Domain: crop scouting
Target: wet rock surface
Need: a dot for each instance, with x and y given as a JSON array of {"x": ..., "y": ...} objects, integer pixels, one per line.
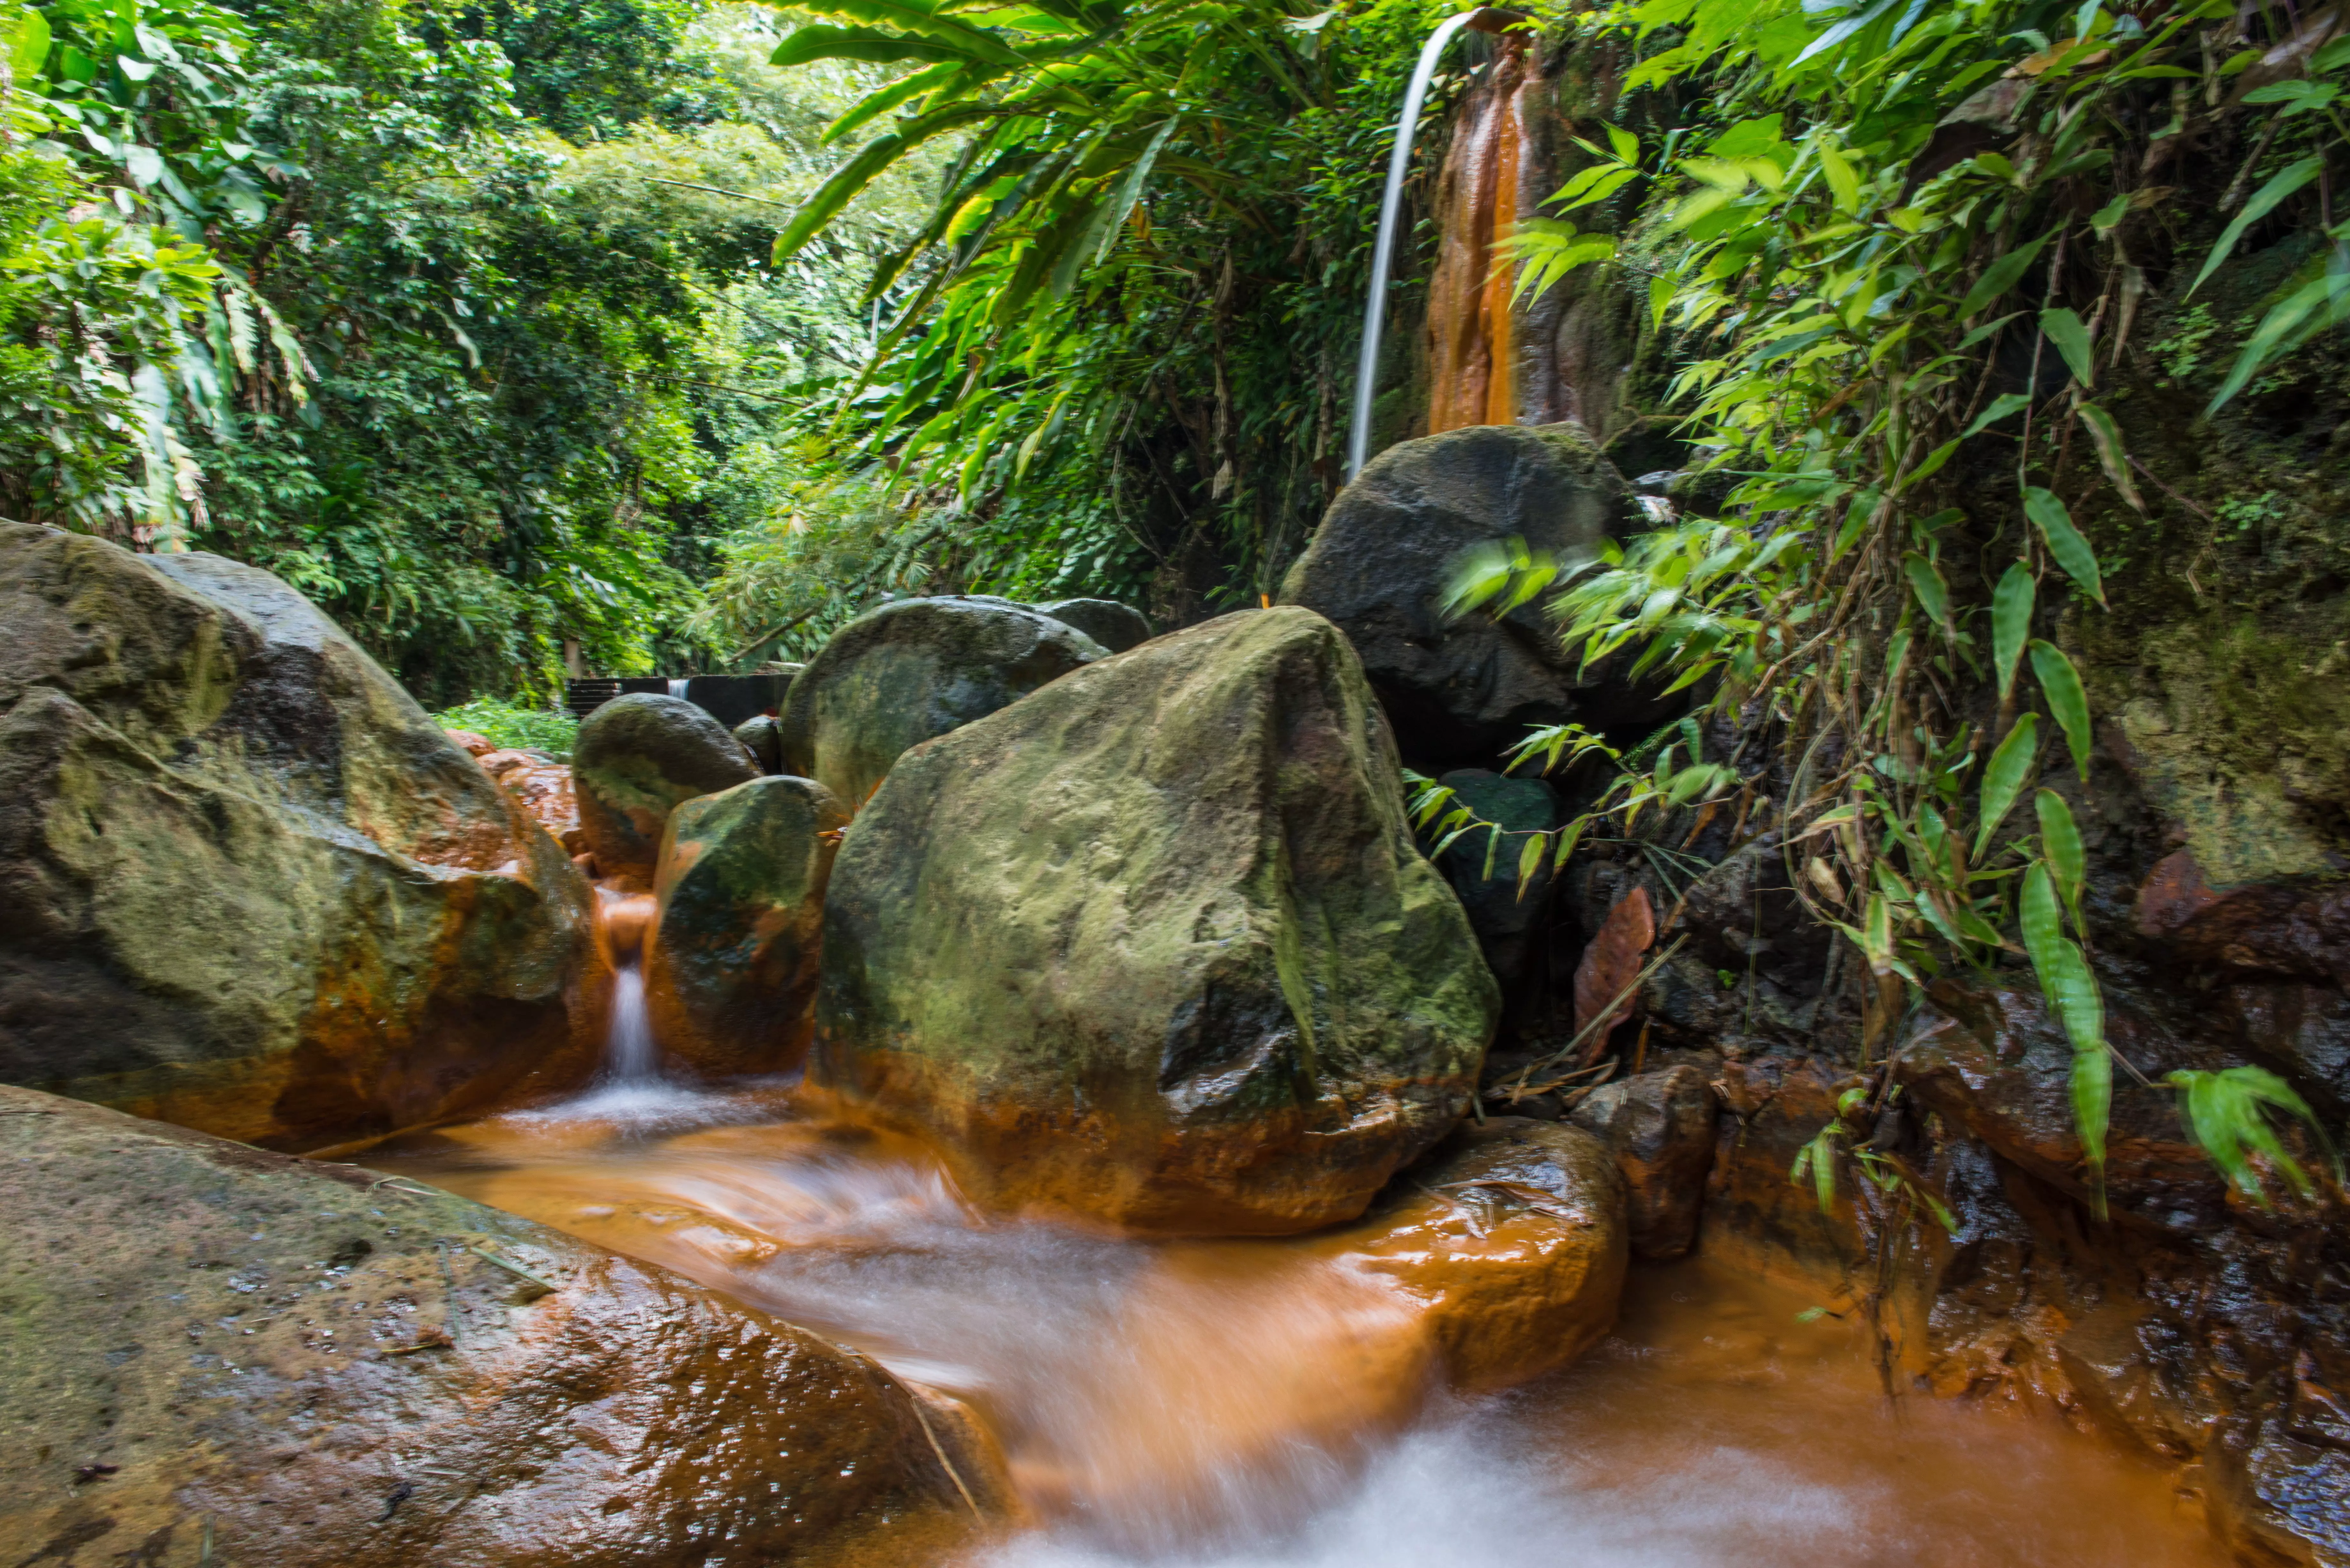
[
  {"x": 731, "y": 968},
  {"x": 310, "y": 1364},
  {"x": 912, "y": 670},
  {"x": 248, "y": 885},
  {"x": 1509, "y": 1239},
  {"x": 1659, "y": 1128},
  {"x": 637, "y": 759},
  {"x": 1155, "y": 943},
  {"x": 1380, "y": 564}
]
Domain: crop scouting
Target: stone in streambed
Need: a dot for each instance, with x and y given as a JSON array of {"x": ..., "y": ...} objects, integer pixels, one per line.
[
  {"x": 1115, "y": 626},
  {"x": 731, "y": 973},
  {"x": 1659, "y": 1127},
  {"x": 757, "y": 736},
  {"x": 1155, "y": 943},
  {"x": 1509, "y": 1242},
  {"x": 1380, "y": 564},
  {"x": 912, "y": 670},
  {"x": 637, "y": 759},
  {"x": 247, "y": 884},
  {"x": 309, "y": 1368}
]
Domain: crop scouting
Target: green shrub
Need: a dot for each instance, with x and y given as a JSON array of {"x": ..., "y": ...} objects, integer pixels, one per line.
[{"x": 536, "y": 729}]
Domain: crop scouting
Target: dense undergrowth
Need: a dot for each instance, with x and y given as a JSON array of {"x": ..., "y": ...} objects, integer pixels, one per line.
[{"x": 1904, "y": 256}]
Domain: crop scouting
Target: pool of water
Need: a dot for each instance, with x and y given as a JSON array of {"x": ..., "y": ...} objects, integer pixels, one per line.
[{"x": 1230, "y": 1405}]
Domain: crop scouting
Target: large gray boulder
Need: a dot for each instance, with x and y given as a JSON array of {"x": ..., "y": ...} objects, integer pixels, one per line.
[
  {"x": 246, "y": 883},
  {"x": 901, "y": 674},
  {"x": 638, "y": 758},
  {"x": 1155, "y": 943},
  {"x": 217, "y": 1354},
  {"x": 1379, "y": 566}
]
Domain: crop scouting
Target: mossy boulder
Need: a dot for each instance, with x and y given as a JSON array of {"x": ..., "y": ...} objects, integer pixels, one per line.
[
  {"x": 1115, "y": 626},
  {"x": 757, "y": 736},
  {"x": 912, "y": 670},
  {"x": 638, "y": 758},
  {"x": 246, "y": 883},
  {"x": 215, "y": 1354},
  {"x": 731, "y": 971},
  {"x": 1380, "y": 564},
  {"x": 1155, "y": 944}
]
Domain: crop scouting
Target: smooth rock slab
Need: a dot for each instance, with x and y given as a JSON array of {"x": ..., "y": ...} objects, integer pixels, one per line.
[
  {"x": 246, "y": 883},
  {"x": 912, "y": 670},
  {"x": 731, "y": 970},
  {"x": 1155, "y": 943},
  {"x": 637, "y": 759},
  {"x": 313, "y": 1366}
]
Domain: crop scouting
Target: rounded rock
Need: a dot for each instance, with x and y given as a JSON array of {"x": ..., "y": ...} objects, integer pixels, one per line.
[
  {"x": 731, "y": 973},
  {"x": 637, "y": 759},
  {"x": 1115, "y": 626},
  {"x": 913, "y": 670}
]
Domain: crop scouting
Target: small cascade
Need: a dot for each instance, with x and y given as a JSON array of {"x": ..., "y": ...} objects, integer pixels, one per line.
[
  {"x": 629, "y": 1055},
  {"x": 677, "y": 684}
]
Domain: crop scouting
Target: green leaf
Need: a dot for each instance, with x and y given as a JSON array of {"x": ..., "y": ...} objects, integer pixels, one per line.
[
  {"x": 2109, "y": 216},
  {"x": 2041, "y": 919},
  {"x": 1131, "y": 190},
  {"x": 2000, "y": 276},
  {"x": 2291, "y": 322},
  {"x": 2291, "y": 178},
  {"x": 2060, "y": 843},
  {"x": 32, "y": 44},
  {"x": 2107, "y": 437},
  {"x": 2072, "y": 340},
  {"x": 2065, "y": 541},
  {"x": 2093, "y": 1086},
  {"x": 2011, "y": 769},
  {"x": 1530, "y": 861},
  {"x": 873, "y": 106},
  {"x": 2062, "y": 685},
  {"x": 916, "y": 16},
  {"x": 815, "y": 41},
  {"x": 2010, "y": 623},
  {"x": 1926, "y": 582},
  {"x": 2001, "y": 407},
  {"x": 2226, "y": 1111},
  {"x": 1842, "y": 181},
  {"x": 1568, "y": 838},
  {"x": 1931, "y": 466},
  {"x": 864, "y": 167}
]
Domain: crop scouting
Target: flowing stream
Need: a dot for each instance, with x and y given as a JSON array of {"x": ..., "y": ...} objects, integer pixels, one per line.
[{"x": 1231, "y": 1405}]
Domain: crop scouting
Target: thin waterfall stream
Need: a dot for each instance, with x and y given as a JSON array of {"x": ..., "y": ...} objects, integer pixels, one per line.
[{"x": 1366, "y": 369}]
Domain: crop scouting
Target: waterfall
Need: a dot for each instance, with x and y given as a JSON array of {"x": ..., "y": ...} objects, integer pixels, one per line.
[
  {"x": 629, "y": 1053},
  {"x": 677, "y": 685},
  {"x": 1358, "y": 438}
]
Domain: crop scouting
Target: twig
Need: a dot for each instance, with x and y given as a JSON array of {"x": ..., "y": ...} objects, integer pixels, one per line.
[
  {"x": 690, "y": 185},
  {"x": 914, "y": 1400}
]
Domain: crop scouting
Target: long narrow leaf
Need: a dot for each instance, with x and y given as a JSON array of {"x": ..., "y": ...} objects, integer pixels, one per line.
[
  {"x": 2011, "y": 622},
  {"x": 2060, "y": 844},
  {"x": 2283, "y": 183},
  {"x": 2107, "y": 437},
  {"x": 2011, "y": 768},
  {"x": 2065, "y": 541},
  {"x": 2062, "y": 685},
  {"x": 2072, "y": 340}
]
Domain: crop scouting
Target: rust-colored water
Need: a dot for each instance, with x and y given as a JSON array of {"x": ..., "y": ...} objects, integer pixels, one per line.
[{"x": 1245, "y": 1406}]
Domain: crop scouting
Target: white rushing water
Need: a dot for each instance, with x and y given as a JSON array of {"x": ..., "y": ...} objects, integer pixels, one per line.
[
  {"x": 677, "y": 686},
  {"x": 1367, "y": 368}
]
